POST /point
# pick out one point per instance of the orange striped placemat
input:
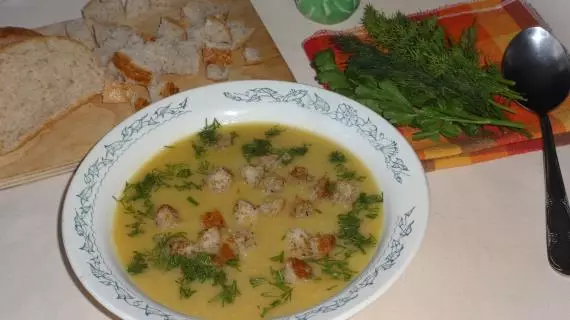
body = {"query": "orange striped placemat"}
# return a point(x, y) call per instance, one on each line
point(497, 22)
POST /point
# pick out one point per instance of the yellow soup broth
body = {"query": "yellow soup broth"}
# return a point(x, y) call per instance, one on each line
point(175, 176)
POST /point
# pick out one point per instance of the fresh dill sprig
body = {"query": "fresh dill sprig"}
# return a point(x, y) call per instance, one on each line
point(279, 258)
point(138, 264)
point(277, 281)
point(274, 131)
point(367, 205)
point(337, 157)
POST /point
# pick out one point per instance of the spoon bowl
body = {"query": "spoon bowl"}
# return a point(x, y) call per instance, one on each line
point(539, 65)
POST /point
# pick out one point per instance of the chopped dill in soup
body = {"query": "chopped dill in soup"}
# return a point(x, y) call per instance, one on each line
point(247, 221)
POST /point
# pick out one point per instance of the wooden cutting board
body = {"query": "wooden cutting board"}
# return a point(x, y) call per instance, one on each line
point(64, 142)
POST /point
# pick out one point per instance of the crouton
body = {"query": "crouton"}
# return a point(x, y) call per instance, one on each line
point(321, 189)
point(213, 219)
point(181, 246)
point(219, 56)
point(225, 140)
point(171, 30)
point(268, 162)
point(272, 183)
point(245, 213)
point(166, 217)
point(322, 244)
point(345, 193)
point(243, 240)
point(225, 254)
point(300, 174)
point(302, 208)
point(162, 90)
point(272, 206)
point(251, 56)
point(298, 245)
point(296, 269)
point(220, 180)
point(215, 72)
point(217, 32)
point(210, 240)
point(252, 175)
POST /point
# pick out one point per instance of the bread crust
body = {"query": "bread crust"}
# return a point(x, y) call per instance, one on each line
point(130, 70)
point(10, 35)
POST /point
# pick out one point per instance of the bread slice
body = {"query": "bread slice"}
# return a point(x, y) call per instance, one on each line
point(169, 29)
point(42, 78)
point(56, 29)
point(240, 33)
point(104, 11)
point(79, 30)
point(217, 73)
point(136, 8)
point(10, 35)
point(217, 32)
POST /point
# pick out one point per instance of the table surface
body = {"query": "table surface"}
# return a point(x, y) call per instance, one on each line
point(483, 256)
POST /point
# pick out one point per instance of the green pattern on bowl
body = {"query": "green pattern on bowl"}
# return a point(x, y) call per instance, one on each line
point(327, 11)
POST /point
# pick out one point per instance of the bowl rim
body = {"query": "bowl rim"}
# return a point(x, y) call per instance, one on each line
point(71, 192)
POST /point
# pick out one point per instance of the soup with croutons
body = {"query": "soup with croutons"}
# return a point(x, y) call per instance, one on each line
point(247, 221)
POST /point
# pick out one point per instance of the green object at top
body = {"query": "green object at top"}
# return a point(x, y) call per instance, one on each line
point(327, 11)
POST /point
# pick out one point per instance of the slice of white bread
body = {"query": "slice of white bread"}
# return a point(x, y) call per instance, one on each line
point(42, 78)
point(136, 8)
point(104, 11)
point(169, 29)
point(10, 35)
point(240, 33)
point(79, 30)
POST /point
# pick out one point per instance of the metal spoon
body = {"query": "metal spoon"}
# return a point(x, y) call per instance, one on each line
point(540, 66)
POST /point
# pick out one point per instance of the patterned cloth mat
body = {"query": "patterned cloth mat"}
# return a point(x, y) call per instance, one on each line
point(497, 22)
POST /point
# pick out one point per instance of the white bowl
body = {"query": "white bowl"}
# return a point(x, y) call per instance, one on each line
point(88, 210)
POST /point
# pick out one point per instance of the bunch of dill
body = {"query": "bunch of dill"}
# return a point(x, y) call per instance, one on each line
point(414, 75)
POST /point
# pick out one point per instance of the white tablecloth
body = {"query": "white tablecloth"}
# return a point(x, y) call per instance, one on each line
point(484, 252)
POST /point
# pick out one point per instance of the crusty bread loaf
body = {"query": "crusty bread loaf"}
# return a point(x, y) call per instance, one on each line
point(10, 35)
point(42, 78)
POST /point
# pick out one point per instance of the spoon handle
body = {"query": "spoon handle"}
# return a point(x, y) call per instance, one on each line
point(557, 210)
